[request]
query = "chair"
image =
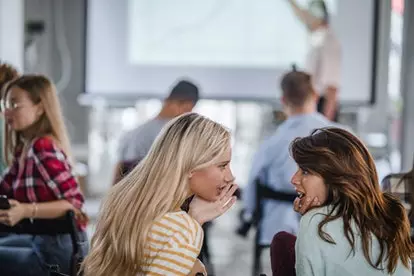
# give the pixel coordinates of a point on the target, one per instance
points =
(264, 193)
(125, 168)
(64, 225)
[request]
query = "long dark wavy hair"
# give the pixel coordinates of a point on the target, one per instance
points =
(354, 193)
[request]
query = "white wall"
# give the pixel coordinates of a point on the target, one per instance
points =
(49, 60)
(11, 32)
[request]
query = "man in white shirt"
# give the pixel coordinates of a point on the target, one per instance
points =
(324, 57)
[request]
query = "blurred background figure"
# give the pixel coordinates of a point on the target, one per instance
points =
(136, 143)
(273, 166)
(324, 57)
(7, 74)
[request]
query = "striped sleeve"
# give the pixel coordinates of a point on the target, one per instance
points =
(174, 243)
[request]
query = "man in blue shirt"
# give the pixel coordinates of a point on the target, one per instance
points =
(273, 165)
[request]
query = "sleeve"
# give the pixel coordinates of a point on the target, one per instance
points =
(178, 253)
(56, 171)
(258, 165)
(331, 64)
(309, 261)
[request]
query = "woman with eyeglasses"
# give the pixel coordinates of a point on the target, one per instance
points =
(39, 182)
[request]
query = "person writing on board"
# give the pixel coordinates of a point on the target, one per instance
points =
(323, 60)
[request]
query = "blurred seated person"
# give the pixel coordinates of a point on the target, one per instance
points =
(349, 226)
(39, 182)
(402, 186)
(7, 74)
(136, 143)
(273, 165)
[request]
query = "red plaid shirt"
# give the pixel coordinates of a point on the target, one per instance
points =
(45, 175)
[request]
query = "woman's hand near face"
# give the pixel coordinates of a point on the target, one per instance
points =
(302, 205)
(203, 211)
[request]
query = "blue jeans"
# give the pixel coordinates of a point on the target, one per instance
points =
(37, 255)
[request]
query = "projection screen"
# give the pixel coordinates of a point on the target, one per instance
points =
(233, 49)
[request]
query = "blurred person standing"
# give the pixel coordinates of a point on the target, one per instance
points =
(323, 60)
(7, 74)
(135, 144)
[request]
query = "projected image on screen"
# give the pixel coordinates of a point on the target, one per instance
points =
(243, 33)
(233, 49)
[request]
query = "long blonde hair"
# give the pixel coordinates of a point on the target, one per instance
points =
(156, 186)
(40, 90)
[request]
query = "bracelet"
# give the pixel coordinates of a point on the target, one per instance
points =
(34, 212)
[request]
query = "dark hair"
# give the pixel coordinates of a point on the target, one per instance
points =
(7, 74)
(297, 88)
(318, 9)
(184, 90)
(349, 172)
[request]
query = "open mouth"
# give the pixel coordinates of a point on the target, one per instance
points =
(300, 194)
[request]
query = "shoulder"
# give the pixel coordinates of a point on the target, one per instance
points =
(46, 144)
(324, 122)
(313, 217)
(43, 143)
(46, 148)
(308, 236)
(179, 223)
(151, 126)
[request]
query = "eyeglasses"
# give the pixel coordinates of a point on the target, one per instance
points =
(7, 105)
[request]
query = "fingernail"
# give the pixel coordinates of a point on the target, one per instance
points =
(308, 199)
(315, 199)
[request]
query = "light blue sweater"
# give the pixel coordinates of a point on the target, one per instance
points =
(316, 257)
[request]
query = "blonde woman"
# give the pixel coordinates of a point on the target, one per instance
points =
(39, 182)
(141, 229)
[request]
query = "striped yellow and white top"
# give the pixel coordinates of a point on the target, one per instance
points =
(174, 243)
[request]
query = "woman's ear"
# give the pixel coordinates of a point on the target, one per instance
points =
(190, 175)
(40, 109)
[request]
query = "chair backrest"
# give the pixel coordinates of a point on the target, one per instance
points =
(64, 225)
(264, 192)
(128, 166)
